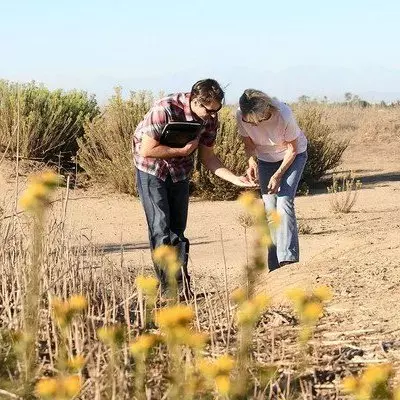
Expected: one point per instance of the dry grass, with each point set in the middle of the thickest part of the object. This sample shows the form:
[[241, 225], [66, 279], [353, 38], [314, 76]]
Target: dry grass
[[275, 365], [361, 124], [343, 193]]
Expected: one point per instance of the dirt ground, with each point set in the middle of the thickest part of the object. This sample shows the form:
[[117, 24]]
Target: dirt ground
[[357, 254]]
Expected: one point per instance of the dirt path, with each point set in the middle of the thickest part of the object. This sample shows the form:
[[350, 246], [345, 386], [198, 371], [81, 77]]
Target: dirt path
[[357, 254]]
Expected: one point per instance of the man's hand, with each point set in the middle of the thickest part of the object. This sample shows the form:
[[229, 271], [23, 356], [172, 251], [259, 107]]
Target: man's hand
[[190, 147], [273, 184], [252, 171]]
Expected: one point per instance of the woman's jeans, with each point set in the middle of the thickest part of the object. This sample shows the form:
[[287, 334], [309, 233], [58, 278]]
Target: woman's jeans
[[166, 207], [285, 238]]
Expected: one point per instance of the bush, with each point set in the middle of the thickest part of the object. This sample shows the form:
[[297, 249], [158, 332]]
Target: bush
[[50, 122], [343, 193], [105, 150], [230, 150], [324, 152]]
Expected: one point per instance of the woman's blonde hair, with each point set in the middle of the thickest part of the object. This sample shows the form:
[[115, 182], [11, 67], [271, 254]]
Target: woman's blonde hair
[[255, 104]]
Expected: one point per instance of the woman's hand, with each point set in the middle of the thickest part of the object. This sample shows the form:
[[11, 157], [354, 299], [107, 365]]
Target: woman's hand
[[273, 184], [243, 181], [252, 171]]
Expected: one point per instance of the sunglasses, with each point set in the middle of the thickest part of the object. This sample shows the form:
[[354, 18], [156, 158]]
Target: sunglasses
[[211, 111]]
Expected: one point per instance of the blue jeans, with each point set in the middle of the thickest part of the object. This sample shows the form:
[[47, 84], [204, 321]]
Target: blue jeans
[[285, 238], [166, 204]]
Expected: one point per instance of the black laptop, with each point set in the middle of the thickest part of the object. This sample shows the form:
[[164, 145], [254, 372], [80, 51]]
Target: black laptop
[[178, 134]]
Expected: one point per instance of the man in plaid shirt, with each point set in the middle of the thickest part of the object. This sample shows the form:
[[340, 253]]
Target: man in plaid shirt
[[163, 171]]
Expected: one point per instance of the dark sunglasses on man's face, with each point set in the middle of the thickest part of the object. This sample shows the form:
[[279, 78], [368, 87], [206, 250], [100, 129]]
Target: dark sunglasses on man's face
[[211, 111]]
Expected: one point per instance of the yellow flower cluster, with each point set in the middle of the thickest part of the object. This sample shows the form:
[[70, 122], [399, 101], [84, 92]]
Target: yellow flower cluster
[[167, 257], [141, 346], [65, 387], [253, 205], [219, 370], [39, 189], [147, 284], [249, 311], [274, 218], [174, 317], [111, 335], [310, 305], [64, 311], [76, 363], [372, 384], [255, 208], [174, 323]]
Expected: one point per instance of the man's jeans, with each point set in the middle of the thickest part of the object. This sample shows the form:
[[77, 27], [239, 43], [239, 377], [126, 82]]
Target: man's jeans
[[285, 237], [166, 207]]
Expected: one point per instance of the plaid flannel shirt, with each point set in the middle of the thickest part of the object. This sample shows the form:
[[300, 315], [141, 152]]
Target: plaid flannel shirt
[[175, 107]]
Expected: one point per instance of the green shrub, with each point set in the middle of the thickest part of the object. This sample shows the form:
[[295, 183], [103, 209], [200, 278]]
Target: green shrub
[[49, 122], [230, 150], [105, 150], [324, 151]]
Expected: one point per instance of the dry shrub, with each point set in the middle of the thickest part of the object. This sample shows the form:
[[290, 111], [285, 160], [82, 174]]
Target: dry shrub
[[343, 193], [324, 151], [230, 150], [360, 124], [105, 150], [304, 228], [49, 122]]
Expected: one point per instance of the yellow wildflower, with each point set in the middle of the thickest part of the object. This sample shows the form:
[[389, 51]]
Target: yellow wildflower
[[396, 394], [323, 293], [223, 384], [258, 212], [265, 240], [297, 295], [312, 311], [38, 190], [111, 334], [375, 374], [261, 301], [49, 178], [72, 385], [34, 196], [350, 384], [142, 345], [46, 387], [171, 317], [147, 284], [224, 364], [274, 218], [238, 295], [61, 311], [247, 199], [197, 340], [76, 363], [77, 303], [250, 310], [164, 254]]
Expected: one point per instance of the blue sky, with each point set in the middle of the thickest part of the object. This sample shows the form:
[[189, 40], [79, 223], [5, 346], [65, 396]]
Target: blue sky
[[286, 48]]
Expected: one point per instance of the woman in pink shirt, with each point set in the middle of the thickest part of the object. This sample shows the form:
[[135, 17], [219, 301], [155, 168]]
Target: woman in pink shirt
[[277, 150]]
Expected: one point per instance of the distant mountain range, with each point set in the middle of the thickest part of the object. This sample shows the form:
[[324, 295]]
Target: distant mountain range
[[373, 84]]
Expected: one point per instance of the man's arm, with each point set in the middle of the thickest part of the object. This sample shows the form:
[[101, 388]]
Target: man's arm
[[152, 148], [214, 164]]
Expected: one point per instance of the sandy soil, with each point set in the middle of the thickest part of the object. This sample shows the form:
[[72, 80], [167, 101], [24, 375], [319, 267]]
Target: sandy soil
[[357, 254]]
